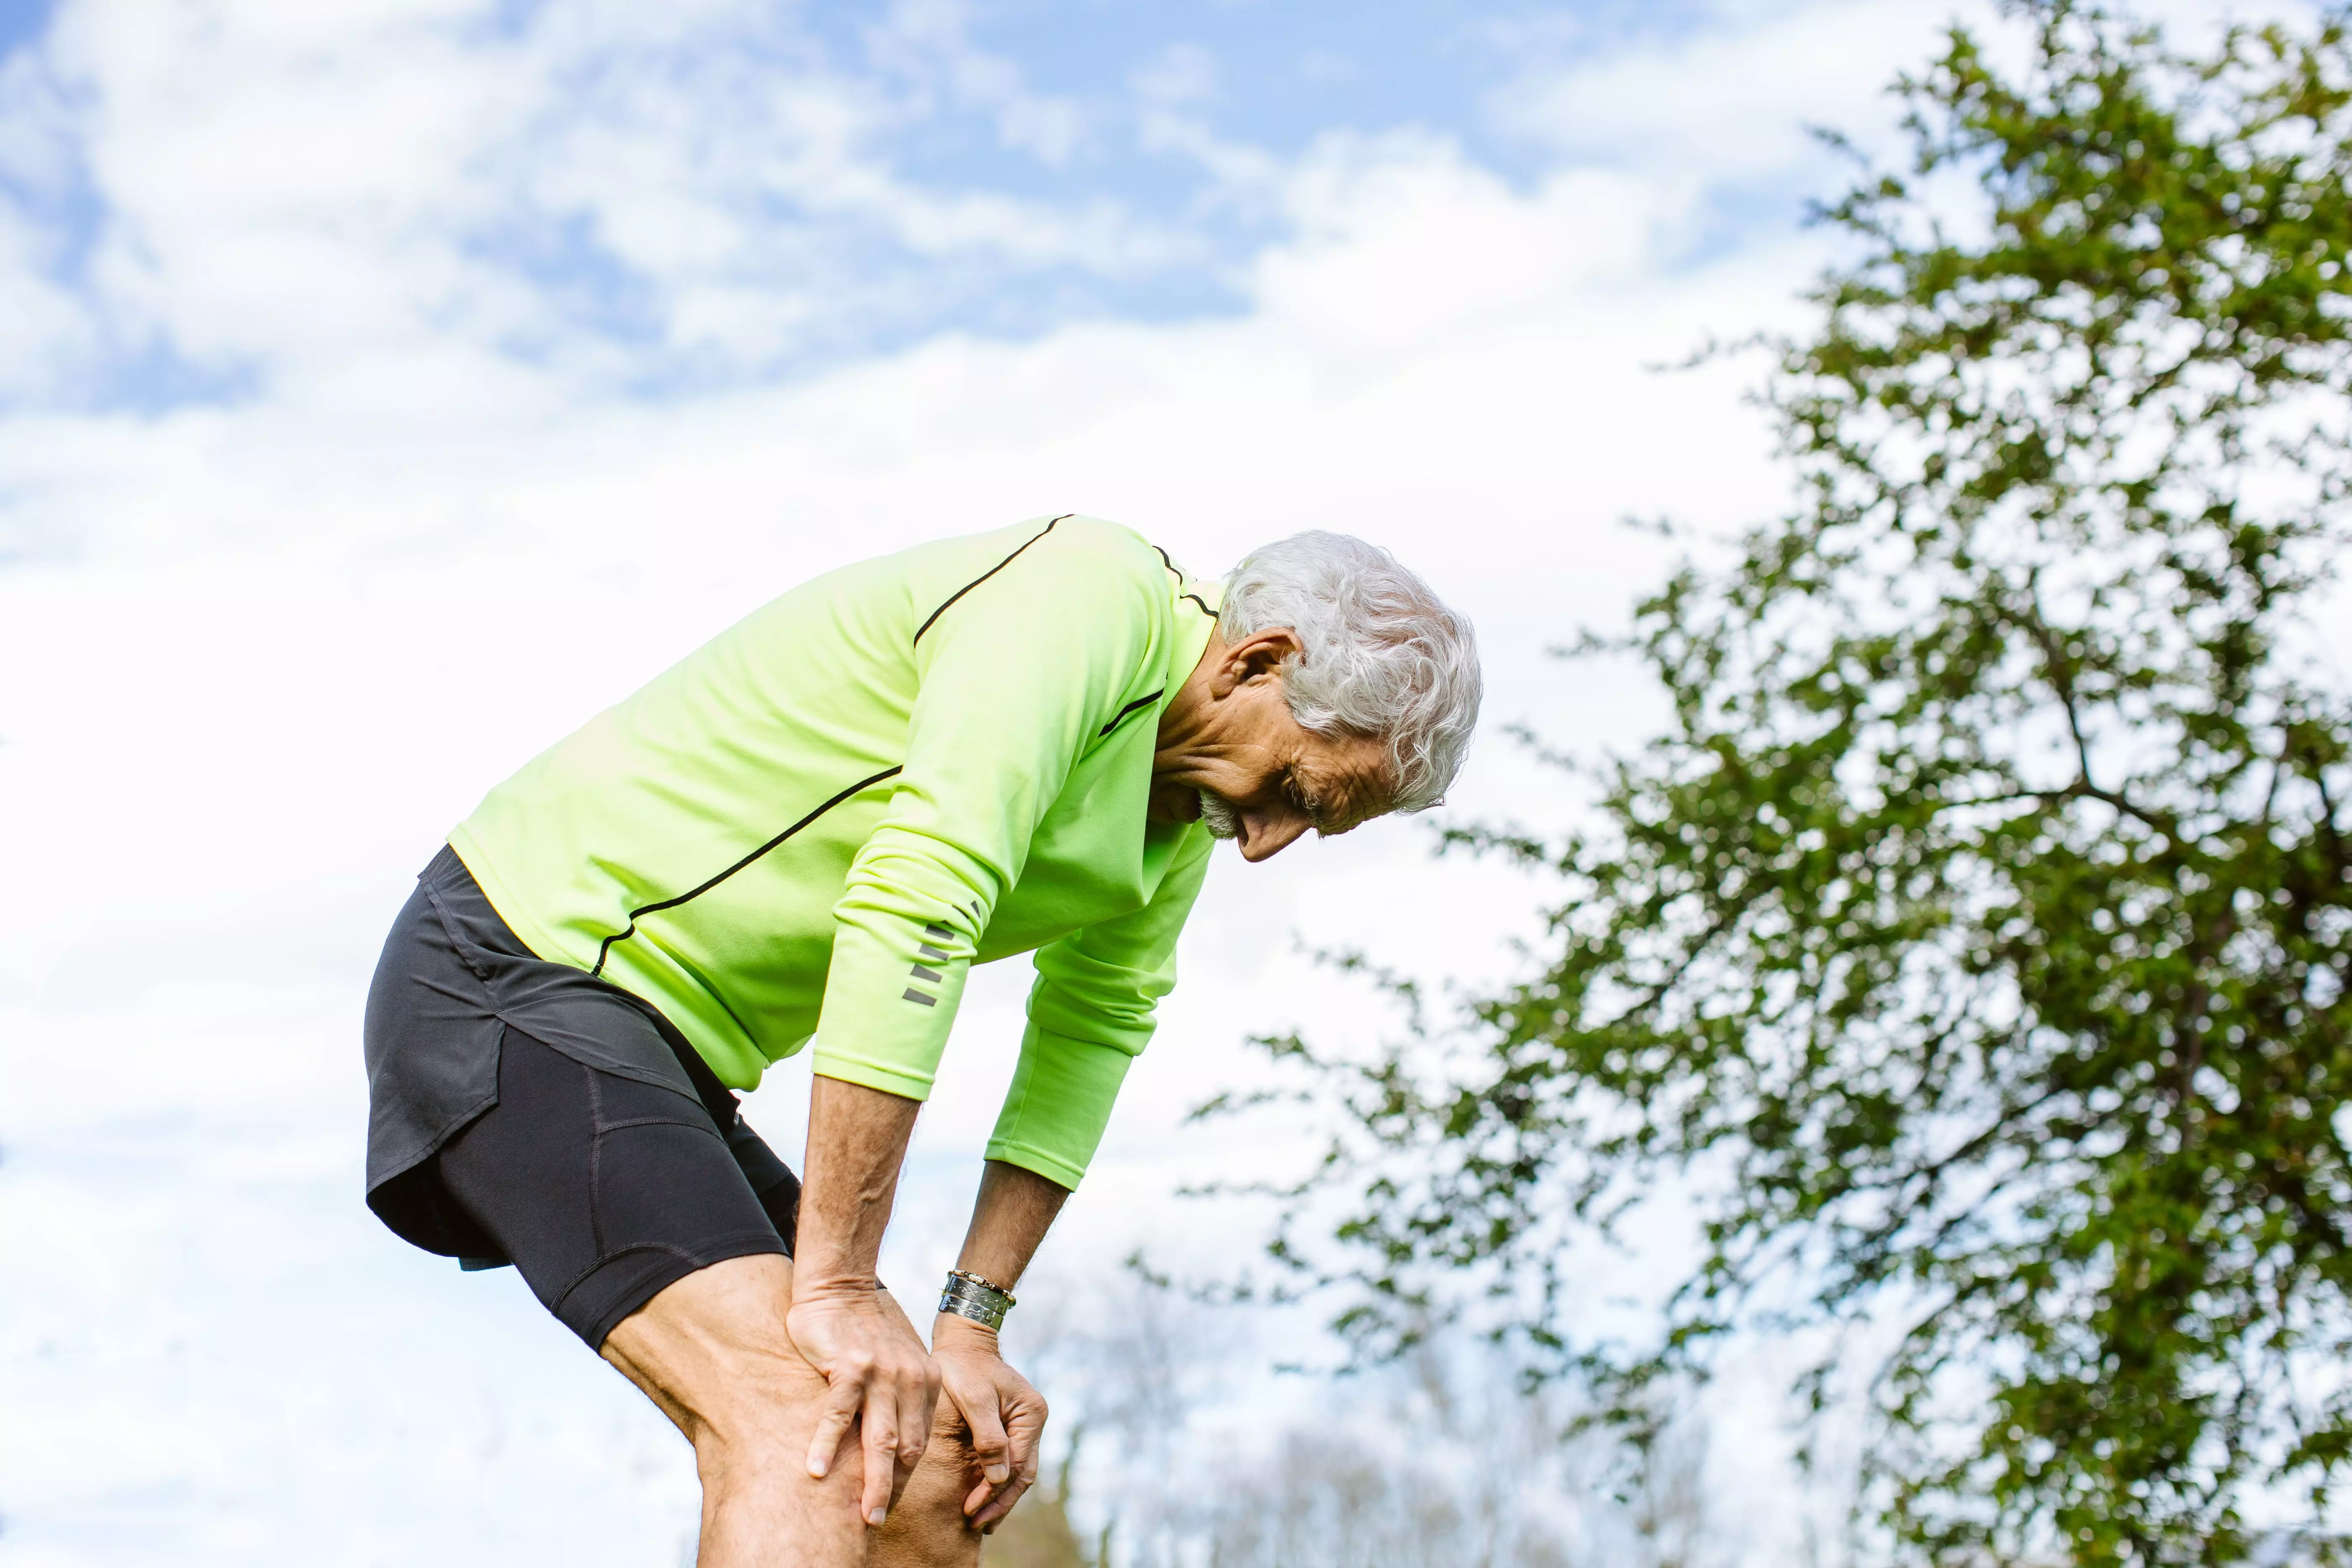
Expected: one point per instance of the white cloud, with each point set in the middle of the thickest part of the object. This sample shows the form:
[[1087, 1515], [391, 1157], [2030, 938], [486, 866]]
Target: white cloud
[[1734, 100], [288, 187], [1400, 241], [929, 42], [1730, 102], [45, 332]]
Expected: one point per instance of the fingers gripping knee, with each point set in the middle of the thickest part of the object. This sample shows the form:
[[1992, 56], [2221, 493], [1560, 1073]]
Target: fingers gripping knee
[[927, 1527]]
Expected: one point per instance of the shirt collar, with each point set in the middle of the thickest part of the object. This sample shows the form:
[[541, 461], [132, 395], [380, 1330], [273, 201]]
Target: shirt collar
[[1197, 604]]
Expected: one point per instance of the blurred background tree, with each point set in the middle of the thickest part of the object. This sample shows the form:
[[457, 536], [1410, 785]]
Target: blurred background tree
[[1975, 939], [1442, 1459]]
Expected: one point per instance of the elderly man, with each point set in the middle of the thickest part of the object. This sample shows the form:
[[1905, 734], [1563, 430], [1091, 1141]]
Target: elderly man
[[809, 830]]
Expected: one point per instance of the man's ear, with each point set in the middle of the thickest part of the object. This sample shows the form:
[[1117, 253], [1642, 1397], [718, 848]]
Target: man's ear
[[1262, 653]]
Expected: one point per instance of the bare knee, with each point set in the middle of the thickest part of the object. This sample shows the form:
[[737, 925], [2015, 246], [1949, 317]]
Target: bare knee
[[927, 1527], [711, 1350]]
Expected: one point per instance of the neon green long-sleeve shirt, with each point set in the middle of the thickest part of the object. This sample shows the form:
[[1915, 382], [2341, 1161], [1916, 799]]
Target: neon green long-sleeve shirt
[[812, 826]]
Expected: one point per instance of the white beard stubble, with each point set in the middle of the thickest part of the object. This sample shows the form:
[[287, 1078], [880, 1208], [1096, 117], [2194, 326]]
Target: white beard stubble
[[1223, 821]]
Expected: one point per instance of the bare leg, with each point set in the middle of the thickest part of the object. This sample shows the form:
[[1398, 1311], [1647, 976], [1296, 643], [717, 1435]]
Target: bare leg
[[711, 1350]]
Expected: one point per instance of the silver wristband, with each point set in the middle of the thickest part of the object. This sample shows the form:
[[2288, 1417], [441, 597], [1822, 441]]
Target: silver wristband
[[970, 1295]]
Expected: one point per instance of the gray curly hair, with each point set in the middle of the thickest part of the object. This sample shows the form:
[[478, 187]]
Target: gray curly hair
[[1383, 656]]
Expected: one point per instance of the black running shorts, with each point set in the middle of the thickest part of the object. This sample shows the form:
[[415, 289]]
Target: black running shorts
[[522, 1113]]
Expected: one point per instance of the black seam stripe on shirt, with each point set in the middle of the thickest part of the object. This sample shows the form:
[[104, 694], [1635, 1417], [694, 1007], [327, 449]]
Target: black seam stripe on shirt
[[976, 582], [640, 912], [1138, 703], [1179, 579]]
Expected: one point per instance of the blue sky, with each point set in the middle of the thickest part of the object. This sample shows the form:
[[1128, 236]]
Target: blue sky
[[20, 19], [1158, 130]]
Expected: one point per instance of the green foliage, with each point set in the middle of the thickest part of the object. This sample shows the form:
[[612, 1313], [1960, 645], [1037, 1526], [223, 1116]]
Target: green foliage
[[1977, 937]]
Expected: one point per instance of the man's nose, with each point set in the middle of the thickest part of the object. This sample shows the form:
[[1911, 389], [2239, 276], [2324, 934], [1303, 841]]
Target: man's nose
[[1266, 834]]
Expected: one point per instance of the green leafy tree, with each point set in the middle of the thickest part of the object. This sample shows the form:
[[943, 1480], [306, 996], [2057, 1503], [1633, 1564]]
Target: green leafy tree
[[1976, 939]]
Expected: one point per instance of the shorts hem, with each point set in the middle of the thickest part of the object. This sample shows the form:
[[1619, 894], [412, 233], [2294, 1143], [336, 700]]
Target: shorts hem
[[597, 1303]]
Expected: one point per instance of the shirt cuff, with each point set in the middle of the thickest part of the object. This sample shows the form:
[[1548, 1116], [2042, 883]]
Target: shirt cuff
[[1058, 1105], [873, 1075], [889, 999]]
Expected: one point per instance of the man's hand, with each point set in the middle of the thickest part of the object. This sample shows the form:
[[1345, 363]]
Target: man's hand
[[1005, 1414], [874, 1364], [841, 1318]]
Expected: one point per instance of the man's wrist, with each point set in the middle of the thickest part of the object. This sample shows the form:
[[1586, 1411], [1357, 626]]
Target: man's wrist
[[955, 1329], [840, 1284]]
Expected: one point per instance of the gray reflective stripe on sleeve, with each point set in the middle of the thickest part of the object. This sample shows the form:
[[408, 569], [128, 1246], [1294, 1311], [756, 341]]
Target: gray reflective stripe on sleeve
[[926, 999]]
